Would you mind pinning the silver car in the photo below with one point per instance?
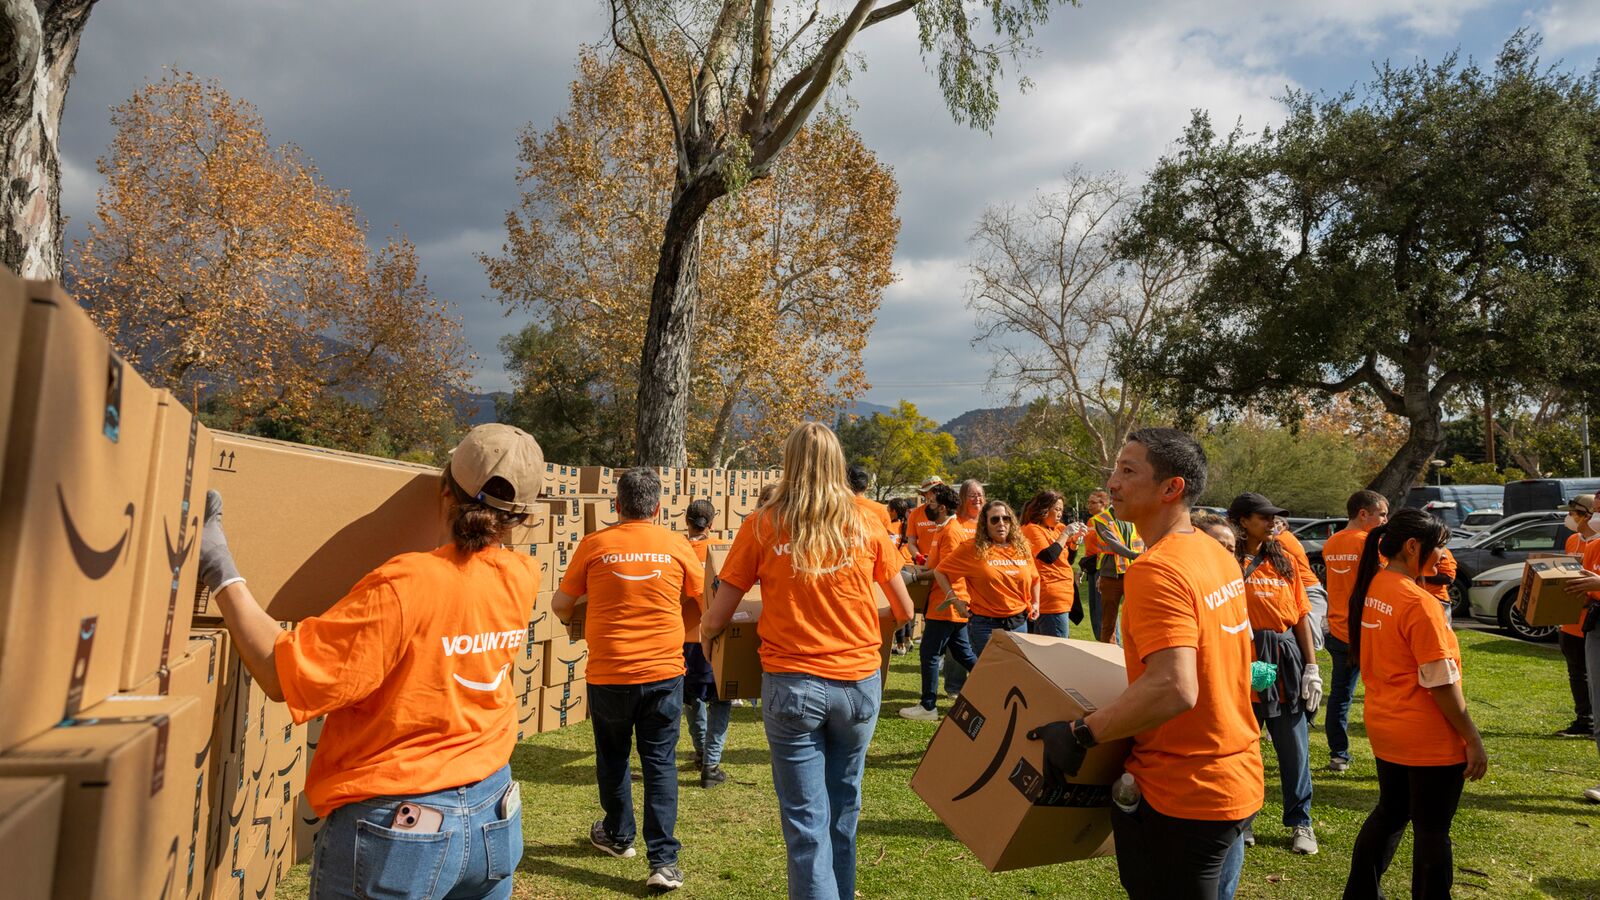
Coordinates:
(1492, 599)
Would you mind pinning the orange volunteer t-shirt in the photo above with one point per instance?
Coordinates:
(410, 669)
(1297, 552)
(1276, 600)
(1575, 546)
(637, 575)
(1057, 578)
(874, 510)
(951, 535)
(827, 626)
(1341, 556)
(1000, 584)
(922, 529)
(1402, 628)
(694, 607)
(1185, 591)
(1447, 568)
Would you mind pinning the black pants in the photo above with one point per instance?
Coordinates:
(1165, 858)
(651, 712)
(1577, 676)
(1424, 796)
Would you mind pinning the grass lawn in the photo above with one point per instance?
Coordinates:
(1523, 831)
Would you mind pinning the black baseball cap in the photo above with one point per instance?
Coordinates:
(1251, 502)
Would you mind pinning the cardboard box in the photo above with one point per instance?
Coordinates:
(1543, 596)
(307, 824)
(13, 310)
(530, 663)
(167, 551)
(984, 780)
(566, 659)
(735, 655)
(130, 822)
(596, 481)
(536, 530)
(30, 825)
(599, 514)
(77, 462)
(563, 705)
(305, 524)
(560, 480)
(528, 704)
(542, 627)
(919, 590)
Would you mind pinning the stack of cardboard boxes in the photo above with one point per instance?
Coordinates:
(137, 754)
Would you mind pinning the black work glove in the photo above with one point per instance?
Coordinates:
(1591, 618)
(1063, 755)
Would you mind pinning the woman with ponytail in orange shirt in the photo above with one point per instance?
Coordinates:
(1423, 739)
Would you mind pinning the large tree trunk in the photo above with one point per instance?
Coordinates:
(40, 42)
(1425, 439)
(669, 337)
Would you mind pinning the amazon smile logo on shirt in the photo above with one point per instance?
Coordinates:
(653, 575)
(484, 686)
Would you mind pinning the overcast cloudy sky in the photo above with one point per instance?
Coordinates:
(413, 107)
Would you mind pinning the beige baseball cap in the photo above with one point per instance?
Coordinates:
(499, 451)
(930, 483)
(1583, 503)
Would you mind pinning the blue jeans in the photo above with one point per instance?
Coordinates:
(1050, 625)
(472, 855)
(1291, 740)
(1232, 866)
(938, 638)
(650, 711)
(818, 731)
(980, 627)
(708, 727)
(1346, 672)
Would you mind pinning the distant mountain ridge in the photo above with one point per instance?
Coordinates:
(968, 427)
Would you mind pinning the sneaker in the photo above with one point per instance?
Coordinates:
(712, 776)
(1592, 794)
(1578, 729)
(664, 878)
(1249, 836)
(1338, 764)
(1304, 841)
(609, 844)
(920, 713)
(897, 650)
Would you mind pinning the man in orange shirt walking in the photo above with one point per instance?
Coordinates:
(1341, 556)
(637, 576)
(1186, 640)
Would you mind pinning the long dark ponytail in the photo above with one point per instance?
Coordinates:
(1386, 541)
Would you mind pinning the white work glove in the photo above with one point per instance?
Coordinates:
(1311, 687)
(217, 570)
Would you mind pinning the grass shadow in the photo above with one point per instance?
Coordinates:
(541, 861)
(930, 827)
(1575, 888)
(1509, 646)
(540, 764)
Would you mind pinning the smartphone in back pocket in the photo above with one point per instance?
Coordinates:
(417, 819)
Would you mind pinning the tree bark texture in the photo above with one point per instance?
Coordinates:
(1426, 436)
(41, 42)
(669, 336)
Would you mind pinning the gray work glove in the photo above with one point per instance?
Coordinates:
(217, 570)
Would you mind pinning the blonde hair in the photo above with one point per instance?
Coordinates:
(1016, 541)
(814, 506)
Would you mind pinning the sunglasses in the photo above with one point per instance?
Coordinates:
(996, 520)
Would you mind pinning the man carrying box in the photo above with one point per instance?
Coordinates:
(1197, 776)
(1589, 625)
(637, 575)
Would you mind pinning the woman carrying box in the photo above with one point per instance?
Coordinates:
(412, 774)
(817, 557)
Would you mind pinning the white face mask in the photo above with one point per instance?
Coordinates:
(1573, 524)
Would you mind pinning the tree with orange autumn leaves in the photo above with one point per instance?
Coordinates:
(792, 266)
(224, 264)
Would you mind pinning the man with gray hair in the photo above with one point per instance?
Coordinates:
(636, 575)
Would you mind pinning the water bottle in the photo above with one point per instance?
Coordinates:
(1125, 793)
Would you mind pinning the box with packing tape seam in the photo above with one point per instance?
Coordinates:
(30, 826)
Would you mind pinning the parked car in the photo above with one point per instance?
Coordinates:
(1318, 530)
(1507, 524)
(1480, 519)
(1492, 599)
(1508, 547)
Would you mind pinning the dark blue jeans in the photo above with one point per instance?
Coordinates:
(980, 627)
(1050, 625)
(937, 637)
(650, 712)
(1346, 672)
